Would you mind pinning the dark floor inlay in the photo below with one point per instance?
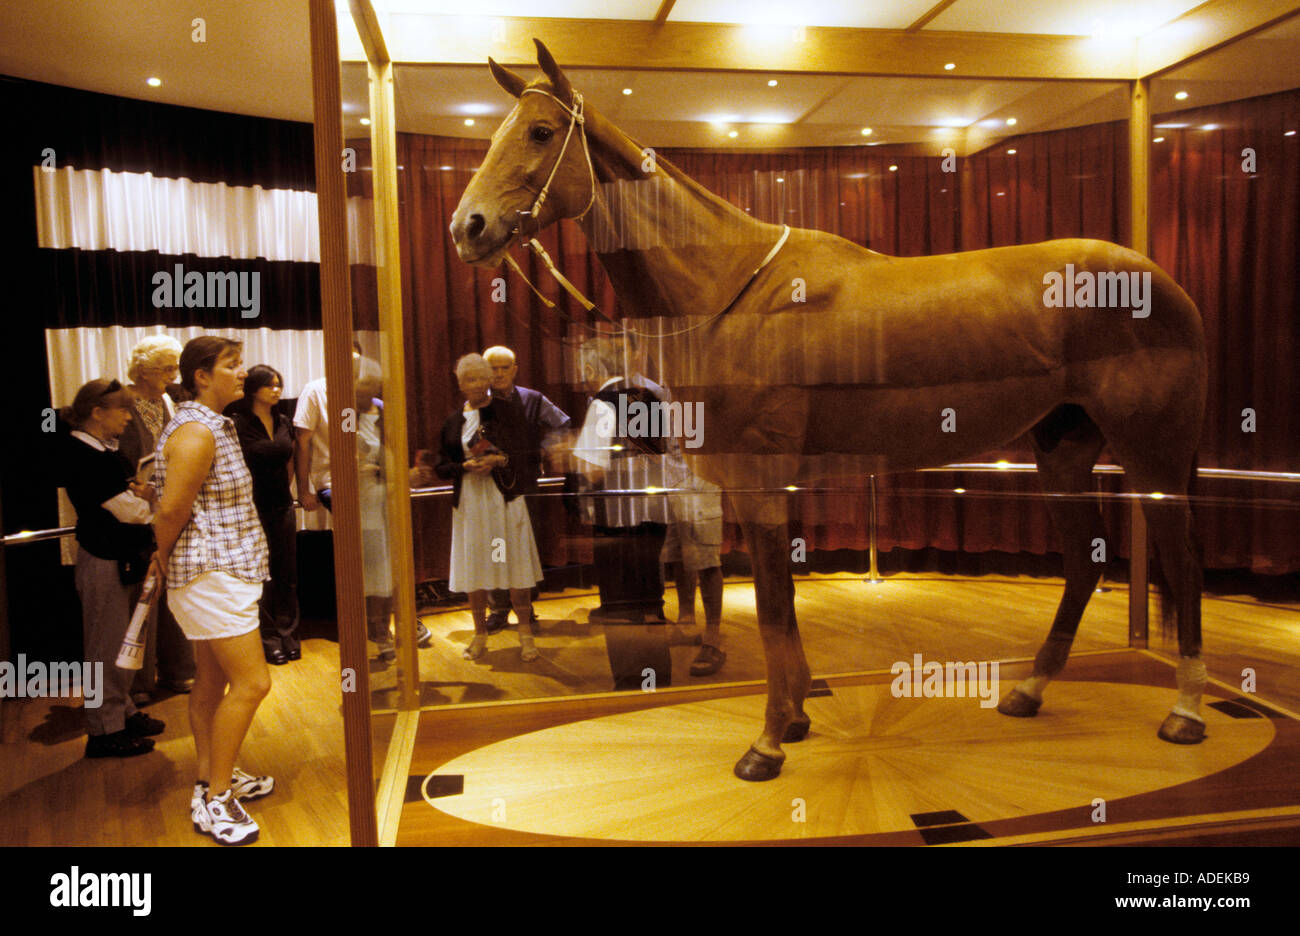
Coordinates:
(439, 785)
(1259, 706)
(1235, 709)
(818, 689)
(946, 817)
(944, 835)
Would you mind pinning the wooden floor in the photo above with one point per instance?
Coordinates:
(875, 770)
(50, 795)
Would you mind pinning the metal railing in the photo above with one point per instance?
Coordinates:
(1224, 474)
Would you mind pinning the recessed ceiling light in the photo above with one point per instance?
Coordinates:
(153, 82)
(365, 121)
(1011, 121)
(866, 131)
(469, 121)
(1158, 140)
(1011, 152)
(1180, 96)
(779, 179)
(1289, 133)
(771, 82)
(893, 168)
(1000, 194)
(1210, 127)
(733, 134)
(627, 90)
(950, 66)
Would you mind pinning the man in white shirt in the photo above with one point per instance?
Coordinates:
(312, 469)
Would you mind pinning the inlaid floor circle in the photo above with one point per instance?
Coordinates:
(870, 764)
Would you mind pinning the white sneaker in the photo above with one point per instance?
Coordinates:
(248, 787)
(230, 824)
(199, 809)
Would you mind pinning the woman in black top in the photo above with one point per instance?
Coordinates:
(113, 540)
(266, 437)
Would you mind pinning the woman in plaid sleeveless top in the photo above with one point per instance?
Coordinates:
(212, 550)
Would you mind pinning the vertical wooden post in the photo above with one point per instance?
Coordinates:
(388, 259)
(1139, 156)
(336, 318)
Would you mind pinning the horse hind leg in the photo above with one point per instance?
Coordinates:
(1066, 445)
(1169, 522)
(1166, 465)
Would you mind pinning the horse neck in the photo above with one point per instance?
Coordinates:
(669, 246)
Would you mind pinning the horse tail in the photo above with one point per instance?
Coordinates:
(1165, 591)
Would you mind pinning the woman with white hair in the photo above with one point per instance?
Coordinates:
(492, 543)
(154, 364)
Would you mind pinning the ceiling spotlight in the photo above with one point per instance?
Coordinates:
(153, 82)
(627, 90)
(1180, 96)
(771, 82)
(950, 66)
(866, 131)
(365, 121)
(1158, 140)
(1011, 121)
(1289, 133)
(733, 134)
(893, 168)
(1011, 152)
(1210, 127)
(779, 179)
(469, 121)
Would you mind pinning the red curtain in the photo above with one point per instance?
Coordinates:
(1068, 183)
(1225, 223)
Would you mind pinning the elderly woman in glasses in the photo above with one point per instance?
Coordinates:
(492, 543)
(113, 532)
(153, 367)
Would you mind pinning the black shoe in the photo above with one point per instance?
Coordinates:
(178, 686)
(292, 650)
(276, 657)
(117, 744)
(141, 725)
(497, 621)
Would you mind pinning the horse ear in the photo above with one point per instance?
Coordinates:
(508, 80)
(560, 84)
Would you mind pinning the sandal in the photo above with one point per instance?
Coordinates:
(477, 647)
(708, 661)
(527, 650)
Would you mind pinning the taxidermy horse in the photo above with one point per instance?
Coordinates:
(815, 358)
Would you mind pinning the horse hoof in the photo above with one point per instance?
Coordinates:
(796, 731)
(755, 766)
(1018, 705)
(1179, 729)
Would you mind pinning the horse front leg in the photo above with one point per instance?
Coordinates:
(786, 688)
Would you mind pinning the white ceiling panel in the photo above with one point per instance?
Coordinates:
(865, 14)
(573, 9)
(1120, 19)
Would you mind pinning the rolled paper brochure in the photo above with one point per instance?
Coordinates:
(131, 656)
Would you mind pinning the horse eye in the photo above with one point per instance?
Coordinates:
(541, 134)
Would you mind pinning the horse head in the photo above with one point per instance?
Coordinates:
(536, 171)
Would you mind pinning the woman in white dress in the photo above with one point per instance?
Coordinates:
(492, 543)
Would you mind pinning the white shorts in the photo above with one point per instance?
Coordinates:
(215, 605)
